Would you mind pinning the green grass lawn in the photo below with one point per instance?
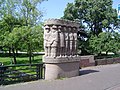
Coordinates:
(20, 60)
(17, 70)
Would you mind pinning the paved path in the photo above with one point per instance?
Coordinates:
(93, 78)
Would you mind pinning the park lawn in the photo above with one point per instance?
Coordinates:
(21, 60)
(26, 70)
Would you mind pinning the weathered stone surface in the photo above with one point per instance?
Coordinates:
(60, 38)
(61, 70)
(60, 44)
(61, 22)
(61, 59)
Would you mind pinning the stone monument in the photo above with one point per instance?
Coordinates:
(60, 44)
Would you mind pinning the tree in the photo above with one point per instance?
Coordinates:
(30, 15)
(8, 23)
(17, 15)
(29, 39)
(95, 15)
(105, 41)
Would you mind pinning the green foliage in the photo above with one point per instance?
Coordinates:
(95, 15)
(20, 27)
(28, 35)
(105, 41)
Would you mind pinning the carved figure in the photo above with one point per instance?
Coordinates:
(54, 41)
(61, 41)
(66, 41)
(47, 41)
(71, 41)
(75, 41)
(60, 38)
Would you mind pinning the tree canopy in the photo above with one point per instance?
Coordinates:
(20, 26)
(99, 20)
(105, 42)
(95, 15)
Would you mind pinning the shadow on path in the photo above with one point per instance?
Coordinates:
(84, 72)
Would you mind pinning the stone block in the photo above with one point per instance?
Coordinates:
(87, 60)
(60, 45)
(102, 62)
(61, 70)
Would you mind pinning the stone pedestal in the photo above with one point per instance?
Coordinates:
(60, 44)
(62, 67)
(61, 70)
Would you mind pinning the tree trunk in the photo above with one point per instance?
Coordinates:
(30, 57)
(106, 53)
(14, 55)
(9, 52)
(99, 54)
(30, 53)
(16, 52)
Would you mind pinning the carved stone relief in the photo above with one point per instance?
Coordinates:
(54, 41)
(60, 38)
(47, 40)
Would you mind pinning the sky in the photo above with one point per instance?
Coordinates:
(55, 8)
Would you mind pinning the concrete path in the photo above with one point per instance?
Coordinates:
(92, 78)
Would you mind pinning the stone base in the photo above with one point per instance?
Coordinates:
(61, 70)
(61, 67)
(86, 61)
(61, 59)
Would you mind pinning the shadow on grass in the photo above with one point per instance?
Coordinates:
(84, 72)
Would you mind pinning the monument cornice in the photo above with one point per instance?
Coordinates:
(61, 22)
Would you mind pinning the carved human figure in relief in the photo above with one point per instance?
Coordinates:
(66, 31)
(47, 41)
(61, 41)
(54, 41)
(71, 36)
(75, 40)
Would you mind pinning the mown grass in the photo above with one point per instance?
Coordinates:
(21, 59)
(16, 71)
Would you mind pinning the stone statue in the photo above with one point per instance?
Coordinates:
(54, 41)
(60, 38)
(47, 40)
(66, 31)
(71, 41)
(75, 41)
(61, 41)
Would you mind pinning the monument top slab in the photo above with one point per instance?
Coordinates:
(61, 22)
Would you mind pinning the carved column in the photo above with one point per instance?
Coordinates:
(60, 44)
